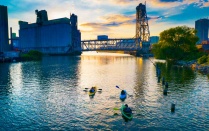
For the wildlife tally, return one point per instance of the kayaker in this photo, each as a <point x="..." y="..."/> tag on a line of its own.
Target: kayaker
<point x="123" y="92"/>
<point x="127" y="109"/>
<point x="92" y="90"/>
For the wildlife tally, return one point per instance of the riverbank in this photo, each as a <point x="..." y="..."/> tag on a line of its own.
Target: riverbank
<point x="203" y="68"/>
<point x="16" y="56"/>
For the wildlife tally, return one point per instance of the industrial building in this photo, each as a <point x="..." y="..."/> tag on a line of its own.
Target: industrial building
<point x="4" y="40"/>
<point x="102" y="37"/>
<point x="202" y="27"/>
<point x="15" y="41"/>
<point x="58" y="36"/>
<point x="154" y="39"/>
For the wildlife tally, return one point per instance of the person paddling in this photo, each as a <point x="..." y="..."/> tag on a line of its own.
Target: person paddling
<point x="127" y="109"/>
<point x="123" y="92"/>
<point x="92" y="90"/>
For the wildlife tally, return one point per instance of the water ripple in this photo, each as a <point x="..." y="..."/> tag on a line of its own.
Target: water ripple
<point x="51" y="95"/>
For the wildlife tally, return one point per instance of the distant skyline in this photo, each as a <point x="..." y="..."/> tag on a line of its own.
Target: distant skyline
<point x="115" y="18"/>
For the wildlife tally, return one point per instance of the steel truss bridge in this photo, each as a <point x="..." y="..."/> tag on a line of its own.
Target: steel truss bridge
<point x="127" y="44"/>
<point x="140" y="42"/>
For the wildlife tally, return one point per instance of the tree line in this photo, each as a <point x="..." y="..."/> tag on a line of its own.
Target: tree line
<point x="178" y="43"/>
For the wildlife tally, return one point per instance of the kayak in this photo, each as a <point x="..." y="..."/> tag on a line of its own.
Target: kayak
<point x="124" y="114"/>
<point x="93" y="93"/>
<point x="123" y="96"/>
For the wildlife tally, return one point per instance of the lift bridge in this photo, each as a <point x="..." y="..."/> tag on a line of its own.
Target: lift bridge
<point x="140" y="42"/>
<point x="110" y="44"/>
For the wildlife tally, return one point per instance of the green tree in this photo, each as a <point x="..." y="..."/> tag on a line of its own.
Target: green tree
<point x="176" y="43"/>
<point x="202" y="59"/>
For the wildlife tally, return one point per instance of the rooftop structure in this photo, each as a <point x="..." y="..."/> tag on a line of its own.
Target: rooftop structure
<point x="102" y="37"/>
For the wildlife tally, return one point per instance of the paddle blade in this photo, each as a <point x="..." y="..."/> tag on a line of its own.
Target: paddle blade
<point x="99" y="89"/>
<point x="117" y="86"/>
<point x="86" y="88"/>
<point x="116" y="108"/>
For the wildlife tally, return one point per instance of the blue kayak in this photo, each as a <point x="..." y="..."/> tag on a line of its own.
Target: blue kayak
<point x="123" y="96"/>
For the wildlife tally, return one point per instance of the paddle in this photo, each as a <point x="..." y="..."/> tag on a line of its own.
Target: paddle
<point x="118" y="87"/>
<point x="88" y="88"/>
<point x="116" y="108"/>
<point x="99" y="90"/>
<point x="121" y="89"/>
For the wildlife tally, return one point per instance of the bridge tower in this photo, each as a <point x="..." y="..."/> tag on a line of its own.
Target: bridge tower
<point x="142" y="38"/>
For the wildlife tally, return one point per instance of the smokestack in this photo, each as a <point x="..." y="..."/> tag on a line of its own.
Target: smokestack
<point x="11" y="39"/>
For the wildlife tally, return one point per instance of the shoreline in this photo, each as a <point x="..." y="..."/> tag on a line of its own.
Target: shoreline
<point x="203" y="68"/>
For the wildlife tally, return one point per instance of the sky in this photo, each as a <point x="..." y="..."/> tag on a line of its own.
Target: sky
<point x="115" y="18"/>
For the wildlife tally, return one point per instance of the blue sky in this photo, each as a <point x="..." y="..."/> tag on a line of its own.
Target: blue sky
<point x="115" y="18"/>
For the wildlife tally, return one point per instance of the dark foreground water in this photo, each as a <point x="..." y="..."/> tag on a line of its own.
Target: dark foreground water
<point x="50" y="95"/>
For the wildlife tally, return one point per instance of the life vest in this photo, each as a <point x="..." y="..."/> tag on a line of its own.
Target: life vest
<point x="128" y="110"/>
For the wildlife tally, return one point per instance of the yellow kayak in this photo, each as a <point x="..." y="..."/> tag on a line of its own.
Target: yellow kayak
<point x="93" y="93"/>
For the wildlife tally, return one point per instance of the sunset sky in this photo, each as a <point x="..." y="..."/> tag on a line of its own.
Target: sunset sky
<point x="115" y="18"/>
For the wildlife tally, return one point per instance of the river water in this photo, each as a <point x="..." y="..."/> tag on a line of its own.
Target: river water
<point x="51" y="95"/>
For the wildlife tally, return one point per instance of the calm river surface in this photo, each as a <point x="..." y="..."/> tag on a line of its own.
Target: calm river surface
<point x="50" y="94"/>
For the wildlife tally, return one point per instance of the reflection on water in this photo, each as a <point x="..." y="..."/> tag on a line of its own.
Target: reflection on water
<point x="51" y="94"/>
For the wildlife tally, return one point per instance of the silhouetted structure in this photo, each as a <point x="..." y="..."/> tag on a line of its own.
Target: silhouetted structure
<point x="58" y="36"/>
<point x="41" y="16"/>
<point x="76" y="35"/>
<point x="142" y="28"/>
<point x="202" y="27"/>
<point x="102" y="37"/>
<point x="15" y="41"/>
<point x="4" y="38"/>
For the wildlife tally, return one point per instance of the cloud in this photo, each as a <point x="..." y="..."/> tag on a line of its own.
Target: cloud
<point x="170" y="0"/>
<point x="110" y="21"/>
<point x="99" y="26"/>
<point x="124" y="1"/>
<point x="112" y="17"/>
<point x="118" y="17"/>
<point x="155" y="17"/>
<point x="205" y="4"/>
<point x="166" y="4"/>
<point x="112" y="25"/>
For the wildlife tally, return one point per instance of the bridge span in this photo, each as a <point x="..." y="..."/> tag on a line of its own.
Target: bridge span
<point x="139" y="43"/>
<point x="125" y="44"/>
